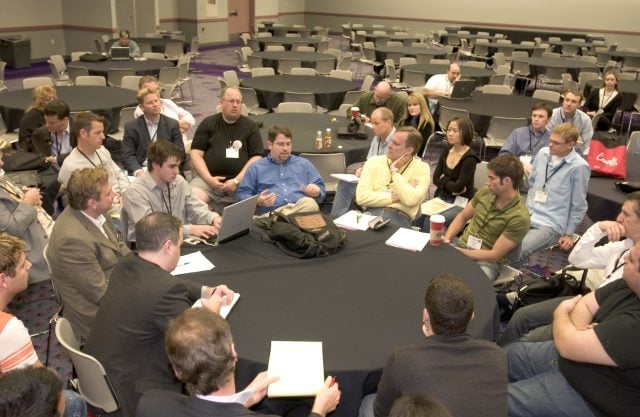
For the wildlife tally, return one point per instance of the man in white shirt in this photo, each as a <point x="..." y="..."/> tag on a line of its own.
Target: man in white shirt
<point x="441" y="85"/>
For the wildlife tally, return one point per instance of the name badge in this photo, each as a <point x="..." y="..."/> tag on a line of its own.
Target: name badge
<point x="526" y="159"/>
<point x="474" y="242"/>
<point x="460" y="201"/>
<point x="540" y="197"/>
<point x="232" y="153"/>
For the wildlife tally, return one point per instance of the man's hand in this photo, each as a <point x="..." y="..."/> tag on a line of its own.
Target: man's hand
<point x="614" y="230"/>
<point x="327" y="398"/>
<point x="217" y="221"/>
<point x="266" y="198"/>
<point x="566" y="242"/>
<point x="203" y="231"/>
<point x="32" y="196"/>
<point x="567" y="306"/>
<point x="229" y="186"/>
<point x="312" y="190"/>
<point x="401" y="161"/>
<point x="138" y="173"/>
<point x="213" y="303"/>
<point x="216" y="182"/>
<point x="51" y="160"/>
<point x="225" y="293"/>
<point x="184" y="125"/>
<point x="259" y="387"/>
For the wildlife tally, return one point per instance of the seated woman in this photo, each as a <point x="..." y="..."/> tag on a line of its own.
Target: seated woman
<point x="33" y="117"/>
<point x="604" y="101"/>
<point x="417" y="114"/>
<point x="456" y="168"/>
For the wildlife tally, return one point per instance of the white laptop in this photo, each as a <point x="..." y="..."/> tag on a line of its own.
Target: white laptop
<point x="237" y="219"/>
<point x="120" y="53"/>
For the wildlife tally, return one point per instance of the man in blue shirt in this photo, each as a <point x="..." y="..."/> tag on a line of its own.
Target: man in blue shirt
<point x="525" y="142"/>
<point x="557" y="198"/>
<point x="282" y="179"/>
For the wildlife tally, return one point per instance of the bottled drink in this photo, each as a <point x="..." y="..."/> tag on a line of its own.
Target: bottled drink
<point x="319" y="139"/>
<point x="327" y="138"/>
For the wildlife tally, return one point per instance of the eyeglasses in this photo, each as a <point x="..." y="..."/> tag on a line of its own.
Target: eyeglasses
<point x="236" y="102"/>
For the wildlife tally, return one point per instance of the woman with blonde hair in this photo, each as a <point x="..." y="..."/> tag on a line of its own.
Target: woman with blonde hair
<point x="33" y="117"/>
<point x="604" y="101"/>
<point x="417" y="115"/>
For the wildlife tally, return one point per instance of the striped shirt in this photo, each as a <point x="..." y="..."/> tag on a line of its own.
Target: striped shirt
<point x="16" y="349"/>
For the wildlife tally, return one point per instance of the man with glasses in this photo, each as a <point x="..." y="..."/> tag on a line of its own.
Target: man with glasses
<point x="570" y="113"/>
<point x="381" y="96"/>
<point x="224" y="146"/>
<point x="282" y="180"/>
<point x="441" y="85"/>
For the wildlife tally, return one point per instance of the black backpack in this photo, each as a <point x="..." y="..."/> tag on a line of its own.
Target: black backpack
<point x="302" y="235"/>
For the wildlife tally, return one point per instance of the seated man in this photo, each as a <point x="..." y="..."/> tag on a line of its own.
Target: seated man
<point x="282" y="179"/>
<point x="591" y="366"/>
<point x="167" y="107"/>
<point x="124" y="40"/>
<point x="441" y="85"/>
<point x="32" y="392"/>
<point x="531" y="323"/>
<point x="223" y="147"/>
<point x="163" y="189"/>
<point x="557" y="198"/>
<point x="569" y="112"/>
<point x="383" y="130"/>
<point x="381" y="96"/>
<point x="499" y="219"/>
<point x="394" y="185"/>
<point x="202" y="354"/>
<point x="84" y="247"/>
<point x="140" y="132"/>
<point x="476" y="367"/>
<point x="54" y="140"/>
<point x="16" y="348"/>
<point x="128" y="334"/>
<point x="525" y="142"/>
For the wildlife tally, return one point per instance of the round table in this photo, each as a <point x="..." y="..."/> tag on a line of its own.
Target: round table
<point x="148" y="67"/>
<point x="559" y="44"/>
<point x="381" y="51"/>
<point x="304" y="127"/>
<point x="481" y="75"/>
<point x="329" y="91"/>
<point x="361" y="303"/>
<point x="604" y="200"/>
<point x="304" y="32"/>
<point x="630" y="90"/>
<point x="286" y="42"/>
<point x="106" y="101"/>
<point x="271" y="58"/>
<point x="482" y="107"/>
<point x="621" y="55"/>
<point x="539" y="65"/>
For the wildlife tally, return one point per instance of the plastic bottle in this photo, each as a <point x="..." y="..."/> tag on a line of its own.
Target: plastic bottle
<point x="319" y="139"/>
<point x="327" y="138"/>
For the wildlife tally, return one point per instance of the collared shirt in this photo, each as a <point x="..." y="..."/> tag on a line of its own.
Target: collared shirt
<point x="525" y="141"/>
<point x="565" y="184"/>
<point x="285" y="180"/>
<point x="170" y="109"/>
<point x="61" y="144"/>
<point x="101" y="157"/>
<point x="98" y="222"/>
<point x="144" y="196"/>
<point x="580" y="120"/>
<point x="239" y="397"/>
<point x="378" y="148"/>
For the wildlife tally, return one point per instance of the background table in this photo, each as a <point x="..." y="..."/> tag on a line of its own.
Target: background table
<point x="539" y="65"/>
<point x="604" y="199"/>
<point x="494" y="47"/>
<point x="361" y="303"/>
<point x="106" y="101"/>
<point x="481" y="75"/>
<point x="621" y="55"/>
<point x="482" y="107"/>
<point x="304" y="128"/>
<point x="329" y="91"/>
<point x="148" y="67"/>
<point x="405" y="39"/>
<point x="381" y="51"/>
<point x="157" y="44"/>
<point x="304" y="32"/>
<point x="630" y="89"/>
<point x="286" y="42"/>
<point x="271" y="58"/>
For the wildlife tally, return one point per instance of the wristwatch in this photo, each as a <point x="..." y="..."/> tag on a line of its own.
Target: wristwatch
<point x="236" y="182"/>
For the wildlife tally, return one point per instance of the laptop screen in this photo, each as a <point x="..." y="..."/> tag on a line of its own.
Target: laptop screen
<point x="120" y="52"/>
<point x="463" y="88"/>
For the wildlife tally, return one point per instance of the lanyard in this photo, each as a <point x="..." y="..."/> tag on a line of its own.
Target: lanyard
<point x="532" y="136"/>
<point x="617" y="265"/>
<point x="58" y="144"/>
<point x="11" y="189"/>
<point x="565" y="121"/>
<point x="87" y="158"/>
<point x="166" y="203"/>
<point x="547" y="177"/>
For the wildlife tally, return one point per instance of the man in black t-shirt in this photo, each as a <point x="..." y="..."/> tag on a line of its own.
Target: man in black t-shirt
<point x="592" y="366"/>
<point x="223" y="147"/>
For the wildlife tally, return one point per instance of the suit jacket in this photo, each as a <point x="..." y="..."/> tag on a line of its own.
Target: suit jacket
<point x="41" y="143"/>
<point x="82" y="259"/>
<point x="136" y="140"/>
<point x="128" y="332"/>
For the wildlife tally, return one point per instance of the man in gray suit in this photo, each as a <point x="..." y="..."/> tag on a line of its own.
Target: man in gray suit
<point x="84" y="248"/>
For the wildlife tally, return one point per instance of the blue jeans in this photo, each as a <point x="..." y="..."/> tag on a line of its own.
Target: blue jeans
<point x="490" y="269"/>
<point x="366" y="406"/>
<point x="536" y="385"/>
<point x="74" y="404"/>
<point x="537" y="238"/>
<point x="345" y="194"/>
<point x="531" y="323"/>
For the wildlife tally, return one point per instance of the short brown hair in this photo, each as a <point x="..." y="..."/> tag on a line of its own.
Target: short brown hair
<point x="507" y="165"/>
<point x="10" y="250"/>
<point x="57" y="108"/>
<point x="414" y="138"/>
<point x="386" y="115"/>
<point x="449" y="302"/>
<point x="276" y="130"/>
<point x="198" y="345"/>
<point x="542" y="106"/>
<point x="86" y="184"/>
<point x="83" y="121"/>
<point x="574" y="92"/>
<point x="568" y="132"/>
<point x="160" y="150"/>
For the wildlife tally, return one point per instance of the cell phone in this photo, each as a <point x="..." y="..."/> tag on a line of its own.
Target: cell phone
<point x="378" y="223"/>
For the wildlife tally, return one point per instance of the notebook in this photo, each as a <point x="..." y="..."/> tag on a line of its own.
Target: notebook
<point x="463" y="88"/>
<point x="120" y="53"/>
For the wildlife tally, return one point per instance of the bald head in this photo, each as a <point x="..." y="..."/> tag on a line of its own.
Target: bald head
<point x="453" y="73"/>
<point x="382" y="92"/>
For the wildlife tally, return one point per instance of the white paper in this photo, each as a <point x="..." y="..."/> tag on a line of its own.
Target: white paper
<point x="408" y="239"/>
<point x="347" y="177"/>
<point x="193" y="262"/>
<point x="435" y="206"/>
<point x="299" y="366"/>
<point x="354" y="220"/>
<point x="226" y="308"/>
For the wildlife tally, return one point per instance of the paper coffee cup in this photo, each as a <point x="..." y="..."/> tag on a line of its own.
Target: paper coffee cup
<point x="436" y="227"/>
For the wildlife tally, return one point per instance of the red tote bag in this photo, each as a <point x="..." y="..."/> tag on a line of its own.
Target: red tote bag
<point x="608" y="155"/>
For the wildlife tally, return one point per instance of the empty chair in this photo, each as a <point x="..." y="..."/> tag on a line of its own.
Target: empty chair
<point x="547" y="95"/>
<point x="262" y="71"/>
<point x="633" y="157"/>
<point x="406" y="60"/>
<point x="304" y="71"/>
<point x="173" y="50"/>
<point x="274" y="48"/>
<point x="126" y="115"/>
<point x="153" y="55"/>
<point x="130" y="82"/>
<point x="250" y="99"/>
<point x="254" y="61"/>
<point x="344" y="75"/>
<point x="499" y="130"/>
<point x="264" y="35"/>
<point x="231" y="77"/>
<point x="60" y="66"/>
<point x="440" y="61"/>
<point x="114" y="75"/>
<point x="254" y="44"/>
<point x="367" y="82"/>
<point x="413" y="78"/>
<point x="144" y="47"/>
<point x="305" y="48"/>
<point x="327" y="164"/>
<point x="324" y="66"/>
<point x="75" y="71"/>
<point x="448" y="113"/>
<point x="345" y="62"/>
<point x="475" y="64"/>
<point x="350" y="99"/>
<point x="553" y="75"/>
<point x="95" y="80"/>
<point x="241" y="62"/>
<point x="295" y="97"/>
<point x="423" y="58"/>
<point x="99" y="46"/>
<point x="285" y="65"/>
<point x="496" y="89"/>
<point x="294" y="107"/>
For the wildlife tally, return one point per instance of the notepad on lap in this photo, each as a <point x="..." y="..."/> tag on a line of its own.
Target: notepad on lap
<point x="408" y="239"/>
<point x="346" y="177"/>
<point x="225" y="309"/>
<point x="435" y="206"/>
<point x="299" y="366"/>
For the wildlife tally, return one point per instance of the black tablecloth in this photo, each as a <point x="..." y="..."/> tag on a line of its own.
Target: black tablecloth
<point x="494" y="46"/>
<point x="148" y="67"/>
<point x="361" y="303"/>
<point x="482" y="107"/>
<point x="329" y="91"/>
<point x="604" y="199"/>
<point x="630" y="90"/>
<point x="481" y="75"/>
<point x="106" y="101"/>
<point x="271" y="58"/>
<point x="574" y="66"/>
<point x="305" y="32"/>
<point x="157" y="44"/>
<point x="304" y="128"/>
<point x="620" y="55"/>
<point x="287" y="42"/>
<point x="381" y="51"/>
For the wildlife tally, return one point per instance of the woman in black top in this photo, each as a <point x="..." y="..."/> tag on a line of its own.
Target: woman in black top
<point x="33" y="117"/>
<point x="604" y="101"/>
<point x="417" y="115"/>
